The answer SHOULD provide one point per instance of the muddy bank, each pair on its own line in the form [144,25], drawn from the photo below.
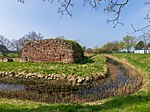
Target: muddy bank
[121,79]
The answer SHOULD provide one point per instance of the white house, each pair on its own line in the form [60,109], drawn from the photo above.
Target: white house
[138,51]
[142,51]
[125,50]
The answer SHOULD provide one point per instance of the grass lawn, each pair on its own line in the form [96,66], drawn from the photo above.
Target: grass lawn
[87,67]
[138,102]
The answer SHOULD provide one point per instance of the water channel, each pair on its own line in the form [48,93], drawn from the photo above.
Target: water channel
[119,81]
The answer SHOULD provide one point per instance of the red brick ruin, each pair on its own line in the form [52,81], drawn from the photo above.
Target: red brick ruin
[52,50]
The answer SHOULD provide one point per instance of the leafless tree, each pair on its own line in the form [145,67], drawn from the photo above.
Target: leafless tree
[3,50]
[4,41]
[146,40]
[17,44]
[31,36]
[4,45]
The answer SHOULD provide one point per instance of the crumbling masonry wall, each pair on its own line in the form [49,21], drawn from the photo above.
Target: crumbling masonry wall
[52,50]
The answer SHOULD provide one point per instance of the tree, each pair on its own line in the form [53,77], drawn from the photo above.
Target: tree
[3,50]
[139,45]
[116,46]
[31,36]
[17,45]
[121,45]
[148,46]
[4,41]
[113,46]
[84,48]
[106,48]
[96,50]
[4,45]
[146,40]
[129,42]
[89,50]
[113,7]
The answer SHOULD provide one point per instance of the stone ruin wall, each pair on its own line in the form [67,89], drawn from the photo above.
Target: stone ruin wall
[51,50]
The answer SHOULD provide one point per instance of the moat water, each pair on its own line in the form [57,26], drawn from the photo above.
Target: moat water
[118,82]
[11,87]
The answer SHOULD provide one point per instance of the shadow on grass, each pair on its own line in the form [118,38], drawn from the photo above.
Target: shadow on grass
[85,60]
[122,102]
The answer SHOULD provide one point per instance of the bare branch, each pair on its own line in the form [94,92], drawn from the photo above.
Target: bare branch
[64,7]
[115,7]
[112,6]
[147,3]
[22,1]
[139,29]
[147,17]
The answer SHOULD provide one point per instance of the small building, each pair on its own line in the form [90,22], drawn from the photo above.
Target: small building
[141,51]
[52,50]
[126,51]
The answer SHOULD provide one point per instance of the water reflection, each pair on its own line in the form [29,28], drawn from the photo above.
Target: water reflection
[11,87]
[120,81]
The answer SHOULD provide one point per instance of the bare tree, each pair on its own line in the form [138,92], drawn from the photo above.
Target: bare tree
[17,44]
[4,45]
[31,36]
[4,41]
[3,50]
[146,40]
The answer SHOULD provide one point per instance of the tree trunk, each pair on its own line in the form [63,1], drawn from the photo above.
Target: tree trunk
[145,50]
[128,50]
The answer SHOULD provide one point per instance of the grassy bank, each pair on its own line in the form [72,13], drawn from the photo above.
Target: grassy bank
[11,55]
[139,61]
[89,66]
[138,102]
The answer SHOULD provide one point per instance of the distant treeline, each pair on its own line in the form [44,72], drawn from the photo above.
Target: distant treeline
[127,44]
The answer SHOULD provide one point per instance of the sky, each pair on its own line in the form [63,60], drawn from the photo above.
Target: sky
[87,26]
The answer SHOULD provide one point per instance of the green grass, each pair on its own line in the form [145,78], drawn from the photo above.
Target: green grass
[131,103]
[11,55]
[138,102]
[140,61]
[87,67]
[1,55]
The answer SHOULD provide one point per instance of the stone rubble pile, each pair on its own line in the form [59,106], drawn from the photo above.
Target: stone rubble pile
[52,50]
[71,79]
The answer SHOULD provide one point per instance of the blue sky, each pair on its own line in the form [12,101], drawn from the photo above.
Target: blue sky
[87,26]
